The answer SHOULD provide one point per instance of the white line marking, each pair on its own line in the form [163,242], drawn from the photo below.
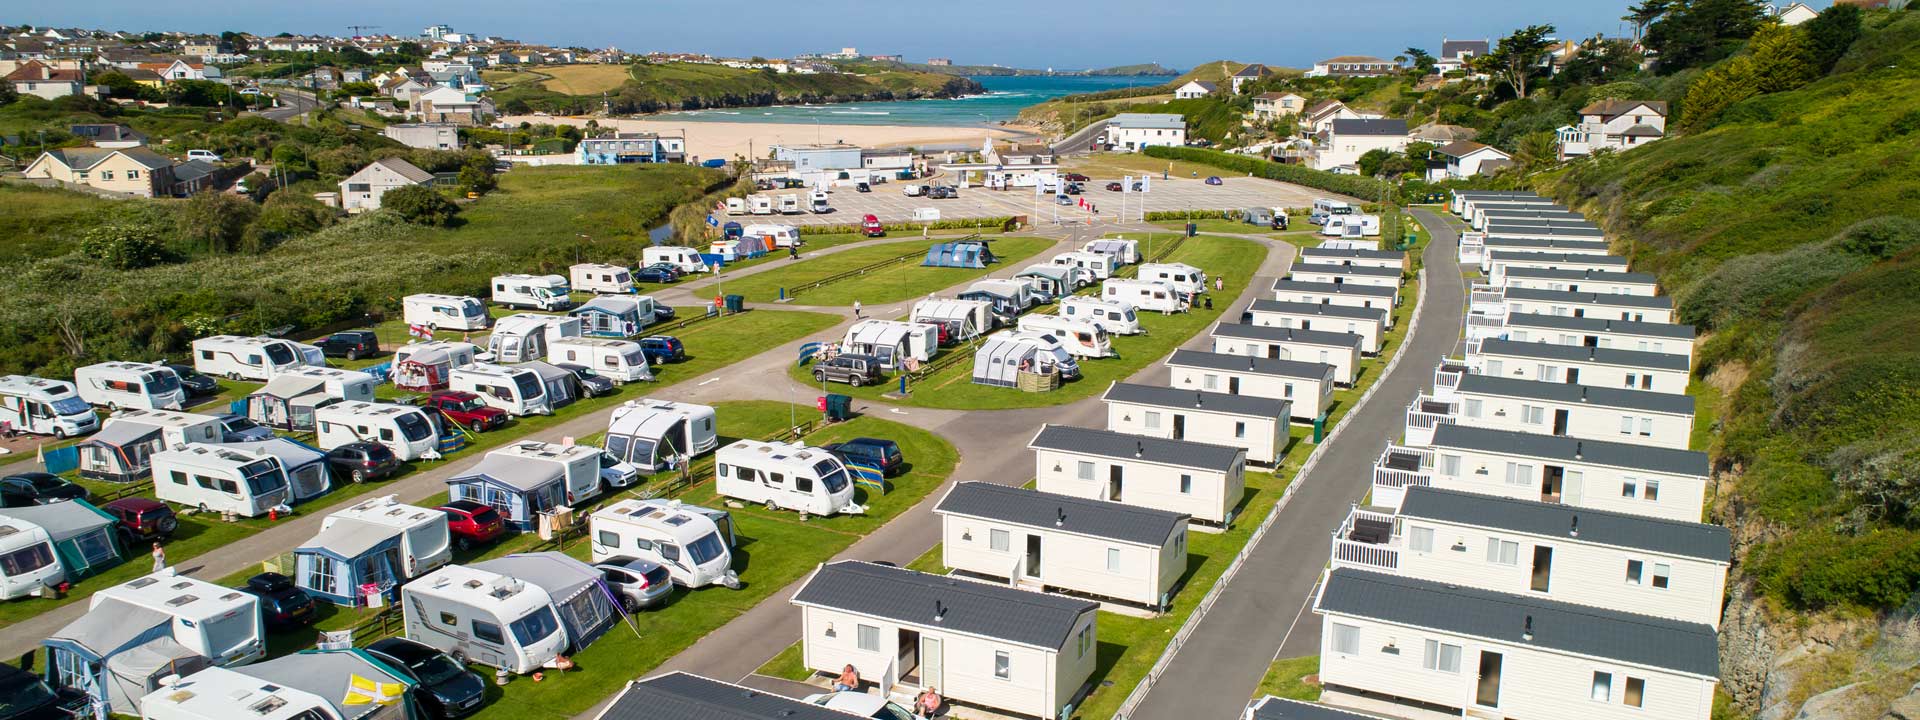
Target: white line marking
[709,381]
[1296,623]
[897,411]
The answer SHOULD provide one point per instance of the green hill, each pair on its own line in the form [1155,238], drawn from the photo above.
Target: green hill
[692,86]
[1142,69]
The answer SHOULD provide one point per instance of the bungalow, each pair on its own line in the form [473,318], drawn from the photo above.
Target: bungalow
[113,136]
[1250,73]
[1088,547]
[620,148]
[1201,480]
[1457,55]
[1500,261]
[1614,125]
[1346,140]
[1352,66]
[427,136]
[1270,105]
[1393,259]
[1464,159]
[453,105]
[1345,274]
[1599,306]
[1354,295]
[1339,349]
[1369,323]
[176,69]
[1138,131]
[1308,385]
[990,645]
[362,190]
[1600,281]
[1576,411]
[1255,424]
[43,81]
[134,171]
[1598,332]
[1194,89]
[683,696]
[1610,367]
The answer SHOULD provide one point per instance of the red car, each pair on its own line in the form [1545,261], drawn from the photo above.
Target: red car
[1076,177]
[871,226]
[467,409]
[142,519]
[472,523]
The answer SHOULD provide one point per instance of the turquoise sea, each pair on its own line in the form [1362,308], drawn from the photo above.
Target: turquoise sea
[1004,98]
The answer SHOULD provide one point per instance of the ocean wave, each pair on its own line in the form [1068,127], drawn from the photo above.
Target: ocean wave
[859,112]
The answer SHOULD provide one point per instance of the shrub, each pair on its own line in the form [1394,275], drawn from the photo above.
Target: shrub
[1823,568]
[420,205]
[287,214]
[1880,238]
[123,245]
[213,222]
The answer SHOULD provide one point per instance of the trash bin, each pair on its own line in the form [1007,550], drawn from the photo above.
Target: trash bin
[839,407]
[736,303]
[1191,229]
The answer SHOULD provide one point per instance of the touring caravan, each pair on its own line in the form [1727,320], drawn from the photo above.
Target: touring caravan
[693,543]
[615,316]
[138,634]
[518,391]
[44,407]
[115,385]
[1050,347]
[335,382]
[1054,281]
[600,278]
[533,292]
[621,361]
[1115,316]
[1324,208]
[1150,295]
[760,205]
[1009,297]
[346,684]
[736,206]
[407,430]
[483,617]
[530,477]
[220,479]
[652,434]
[1102,265]
[1125,252]
[123,449]
[218,623]
[1351,226]
[425,543]
[309,475]
[965,319]
[428,366]
[27,562]
[251,358]
[577,590]
[685,258]
[785,476]
[789,204]
[443,312]
[1183,277]
[524,337]
[817,202]
[775,236]
[891,341]
[1081,338]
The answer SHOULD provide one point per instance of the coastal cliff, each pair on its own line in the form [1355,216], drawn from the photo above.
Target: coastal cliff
[683,86]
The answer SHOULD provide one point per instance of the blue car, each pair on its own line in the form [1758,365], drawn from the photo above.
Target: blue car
[871,452]
[656,274]
[663,349]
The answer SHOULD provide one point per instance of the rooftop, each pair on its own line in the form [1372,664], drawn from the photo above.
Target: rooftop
[963,606]
[1322,309]
[682,696]
[1080,516]
[1631,456]
[1577,353]
[1587,324]
[1636,278]
[1600,527]
[1148,121]
[1334,288]
[1160,451]
[1381,126]
[1570,394]
[1283,334]
[1369,270]
[1662,302]
[1166,397]
[1249,365]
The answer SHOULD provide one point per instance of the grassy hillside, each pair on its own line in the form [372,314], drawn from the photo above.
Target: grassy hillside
[687,86]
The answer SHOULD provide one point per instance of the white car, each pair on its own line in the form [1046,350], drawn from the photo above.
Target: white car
[206,155]
[914,190]
[861,704]
[249,91]
[617,474]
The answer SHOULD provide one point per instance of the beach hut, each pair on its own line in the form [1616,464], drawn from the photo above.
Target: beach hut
[585,607]
[998,361]
[305,465]
[82,535]
[959,254]
[349,562]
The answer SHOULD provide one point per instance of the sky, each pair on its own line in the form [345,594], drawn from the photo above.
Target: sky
[1019,33]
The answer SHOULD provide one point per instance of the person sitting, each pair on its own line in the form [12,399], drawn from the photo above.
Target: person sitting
[849,680]
[928,704]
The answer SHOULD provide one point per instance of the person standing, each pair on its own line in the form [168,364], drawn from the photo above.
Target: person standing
[159,558]
[1220,283]
[856,309]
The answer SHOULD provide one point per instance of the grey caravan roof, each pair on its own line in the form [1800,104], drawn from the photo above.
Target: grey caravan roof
[1121,446]
[1651,302]
[520,473]
[1368,270]
[1682,647]
[1588,324]
[1521,222]
[287,387]
[1495,193]
[1249,365]
[292,454]
[1334,288]
[1525,243]
[683,696]
[350,538]
[547,372]
[1002,613]
[122,434]
[1327,309]
[1107,247]
[1166,397]
[1080,516]
[1279,708]
[326,673]
[1556,257]
[1528,211]
[1285,334]
[561,576]
[1352,253]
[1630,456]
[1577,353]
[112,626]
[1634,532]
[1538,230]
[62,520]
[1531,203]
[1055,272]
[1569,394]
[1636,278]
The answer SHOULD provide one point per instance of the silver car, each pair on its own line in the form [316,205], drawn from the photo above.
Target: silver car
[638,583]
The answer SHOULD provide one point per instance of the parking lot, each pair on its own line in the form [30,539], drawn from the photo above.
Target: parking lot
[891,205]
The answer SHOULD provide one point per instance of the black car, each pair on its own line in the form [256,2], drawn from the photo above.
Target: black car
[196,383]
[24,696]
[38,488]
[663,313]
[284,605]
[871,452]
[350,344]
[363,461]
[655,274]
[592,382]
[451,690]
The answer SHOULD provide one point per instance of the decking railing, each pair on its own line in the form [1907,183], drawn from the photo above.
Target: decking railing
[1355,553]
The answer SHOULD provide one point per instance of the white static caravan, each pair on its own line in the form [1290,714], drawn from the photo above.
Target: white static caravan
[685,258]
[1595,332]
[1368,323]
[44,407]
[428,366]
[28,564]
[1043,540]
[1499,262]
[214,622]
[1081,338]
[518,391]
[654,435]
[693,543]
[1339,349]
[982,644]
[1608,306]
[600,278]
[785,475]
[444,312]
[966,318]
[1255,424]
[1345,275]
[1624,477]
[1600,281]
[715,699]
[1461,202]
[525,337]
[621,361]
[1350,295]
[1126,252]
[533,292]
[1307,385]
[123,449]
[251,358]
[1577,411]
[893,342]
[484,618]
[1203,480]
[774,236]
[217,478]
[1323,255]
[407,430]
[1183,277]
[425,543]
[1604,367]
[142,386]
[315,685]
[1102,265]
[1144,294]
[1114,316]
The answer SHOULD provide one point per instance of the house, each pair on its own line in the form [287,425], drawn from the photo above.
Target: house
[175,69]
[1458,55]
[194,176]
[1270,105]
[1137,131]
[1352,66]
[823,156]
[1042,540]
[1646,336]
[1354,257]
[362,190]
[897,159]
[1795,14]
[1339,349]
[109,135]
[1600,281]
[1501,264]
[1614,125]
[1464,159]
[1323,113]
[1202,480]
[1255,424]
[683,696]
[1600,306]
[1307,385]
[1608,367]
[403,89]
[43,81]
[204,47]
[1343,274]
[1194,89]
[622,147]
[1356,295]
[989,645]
[134,171]
[428,136]
[452,105]
[1345,140]
[1577,411]
[1623,477]
[1441,134]
[1248,74]
[1368,323]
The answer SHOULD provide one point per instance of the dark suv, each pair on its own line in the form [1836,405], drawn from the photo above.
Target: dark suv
[363,461]
[282,604]
[142,519]
[871,452]
[350,344]
[855,370]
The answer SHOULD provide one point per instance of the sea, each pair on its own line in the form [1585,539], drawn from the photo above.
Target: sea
[1003,100]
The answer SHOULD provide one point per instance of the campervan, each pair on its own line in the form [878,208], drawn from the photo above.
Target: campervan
[483,617]
[1101,264]
[621,361]
[516,390]
[685,258]
[892,341]
[220,479]
[533,292]
[1115,316]
[1181,276]
[27,562]
[523,337]
[1048,345]
[251,358]
[693,543]
[115,385]
[338,383]
[736,206]
[789,204]
[425,542]
[1081,338]
[123,449]
[653,434]
[817,202]
[785,475]
[601,278]
[1149,295]
[44,407]
[218,623]
[1324,208]
[405,429]
[760,205]
[444,312]
[965,318]
[775,236]
[427,366]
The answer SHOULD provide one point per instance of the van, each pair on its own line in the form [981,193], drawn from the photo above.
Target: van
[44,407]
[652,435]
[760,205]
[1081,338]
[1324,208]
[405,429]
[736,206]
[775,236]
[1149,295]
[219,479]
[533,292]
[1102,265]
[482,617]
[601,278]
[621,361]
[817,202]
[789,204]
[116,385]
[1183,277]
[694,544]
[251,358]
[518,391]
[685,258]
[788,476]
[444,312]
[28,566]
[1114,316]
[524,337]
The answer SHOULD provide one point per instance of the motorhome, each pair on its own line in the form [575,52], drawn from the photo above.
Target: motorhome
[407,430]
[28,566]
[693,543]
[123,449]
[653,435]
[533,292]
[1115,316]
[1324,208]
[220,479]
[1081,338]
[518,391]
[775,236]
[601,278]
[44,407]
[966,319]
[1102,265]
[1183,277]
[425,543]
[1147,295]
[115,385]
[685,258]
[817,202]
[484,618]
[736,206]
[428,366]
[785,476]
[789,204]
[214,622]
[621,361]
[251,358]
[893,342]
[444,312]
[760,205]
[524,337]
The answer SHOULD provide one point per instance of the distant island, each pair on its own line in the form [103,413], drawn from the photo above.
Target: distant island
[1140,70]
[1136,70]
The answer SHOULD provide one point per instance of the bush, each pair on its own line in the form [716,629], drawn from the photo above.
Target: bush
[214,222]
[1880,238]
[420,205]
[286,215]
[1353,185]
[123,245]
[1821,568]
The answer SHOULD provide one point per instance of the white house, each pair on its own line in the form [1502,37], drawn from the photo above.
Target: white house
[1464,159]
[1600,332]
[1267,106]
[1352,66]
[1255,424]
[1137,131]
[1202,480]
[1608,367]
[1346,140]
[1795,14]
[1576,411]
[1356,295]
[1456,55]
[362,190]
[1345,274]
[1248,74]
[1369,323]
[451,105]
[1042,540]
[1339,349]
[429,136]
[1194,89]
[1599,306]
[1600,281]
[1499,261]
[1308,385]
[1614,125]
[1323,113]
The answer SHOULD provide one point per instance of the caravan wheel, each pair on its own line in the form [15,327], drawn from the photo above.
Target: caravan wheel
[771,506]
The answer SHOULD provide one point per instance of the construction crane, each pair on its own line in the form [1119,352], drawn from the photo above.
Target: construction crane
[357,28]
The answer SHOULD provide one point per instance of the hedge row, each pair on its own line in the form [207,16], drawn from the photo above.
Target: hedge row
[1352,185]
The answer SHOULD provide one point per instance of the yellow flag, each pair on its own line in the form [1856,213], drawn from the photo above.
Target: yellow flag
[361,691]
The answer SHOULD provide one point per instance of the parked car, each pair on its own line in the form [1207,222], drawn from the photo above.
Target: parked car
[1213,180]
[861,704]
[914,190]
[37,488]
[283,605]
[862,187]
[663,349]
[1062,200]
[1074,188]
[452,691]
[25,696]
[197,384]
[467,409]
[235,428]
[852,369]
[350,344]
[207,155]
[590,382]
[638,583]
[472,523]
[663,313]
[655,274]
[1113,187]
[872,452]
[142,520]
[363,461]
[1075,177]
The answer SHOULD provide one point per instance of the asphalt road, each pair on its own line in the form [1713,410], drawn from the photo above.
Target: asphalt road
[293,103]
[1080,141]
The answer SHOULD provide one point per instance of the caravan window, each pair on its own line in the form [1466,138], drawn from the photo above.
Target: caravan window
[831,474]
[608,538]
[536,626]
[278,353]
[490,633]
[26,560]
[230,632]
[528,385]
[412,426]
[706,548]
[803,484]
[94,547]
[179,478]
[262,477]
[320,572]
[670,552]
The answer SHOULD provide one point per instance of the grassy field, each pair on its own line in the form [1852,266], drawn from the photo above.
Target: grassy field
[649,87]
[1287,679]
[897,282]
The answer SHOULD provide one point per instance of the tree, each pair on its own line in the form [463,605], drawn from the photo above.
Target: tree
[213,222]
[1644,13]
[1536,149]
[1695,33]
[8,94]
[1599,62]
[1831,34]
[1517,56]
[420,205]
[120,86]
[1371,162]
[287,214]
[1422,60]
[1778,59]
[236,41]
[476,180]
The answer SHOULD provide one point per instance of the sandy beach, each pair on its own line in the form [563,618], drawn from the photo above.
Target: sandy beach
[724,139]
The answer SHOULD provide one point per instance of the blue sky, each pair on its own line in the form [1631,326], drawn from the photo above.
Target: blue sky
[1022,33]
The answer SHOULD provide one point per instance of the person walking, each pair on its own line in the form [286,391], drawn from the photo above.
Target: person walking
[159,558]
[1220,283]
[856,309]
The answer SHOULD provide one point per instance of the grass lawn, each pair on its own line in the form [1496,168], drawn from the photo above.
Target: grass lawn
[788,665]
[897,282]
[1287,679]
[1707,402]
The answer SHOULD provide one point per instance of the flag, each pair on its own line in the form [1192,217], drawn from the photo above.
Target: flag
[1126,184]
[712,221]
[1146,183]
[361,691]
[419,331]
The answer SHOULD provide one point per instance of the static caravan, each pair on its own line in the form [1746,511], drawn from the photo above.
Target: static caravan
[129,640]
[528,478]
[792,476]
[1044,540]
[308,473]
[525,337]
[444,312]
[122,451]
[1114,316]
[694,544]
[550,293]
[685,258]
[600,278]
[1255,424]
[965,319]
[1339,349]
[1183,277]
[1501,262]
[774,236]
[310,685]
[1607,306]
[516,390]
[1369,323]
[1350,295]
[1102,265]
[982,644]
[1537,245]
[484,618]
[85,539]
[252,358]
[220,479]
[1345,275]
[654,435]
[1009,297]
[407,430]
[1459,202]
[143,386]
[1504,227]
[214,622]
[1308,385]
[1144,294]
[716,699]
[1604,367]
[621,361]
[1126,252]
[615,316]
[28,564]
[1203,480]
[1390,259]
[1649,336]
[893,342]
[584,607]
[1055,281]
[428,366]
[1622,477]
[44,407]
[1497,213]
[1578,411]
[1081,338]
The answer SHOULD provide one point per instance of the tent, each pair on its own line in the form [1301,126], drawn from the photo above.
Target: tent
[116,654]
[562,386]
[120,452]
[518,487]
[585,606]
[331,674]
[1056,280]
[340,563]
[83,535]
[959,254]
[998,360]
[305,465]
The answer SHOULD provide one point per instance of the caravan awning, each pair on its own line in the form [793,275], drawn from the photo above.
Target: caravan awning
[514,473]
[109,627]
[328,674]
[62,520]
[287,387]
[123,434]
[350,538]
[1051,272]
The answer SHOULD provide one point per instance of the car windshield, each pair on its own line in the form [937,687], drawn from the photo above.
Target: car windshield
[20,692]
[240,424]
[414,426]
[536,626]
[891,711]
[436,669]
[706,548]
[46,482]
[71,406]
[162,382]
[278,354]
[472,403]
